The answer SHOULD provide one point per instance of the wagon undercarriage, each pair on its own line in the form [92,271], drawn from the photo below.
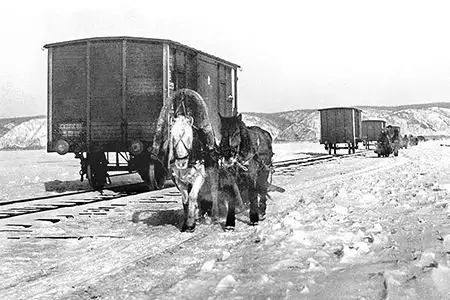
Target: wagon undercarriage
[96,165]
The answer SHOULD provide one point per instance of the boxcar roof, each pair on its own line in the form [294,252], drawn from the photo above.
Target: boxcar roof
[331,108]
[139,39]
[374,121]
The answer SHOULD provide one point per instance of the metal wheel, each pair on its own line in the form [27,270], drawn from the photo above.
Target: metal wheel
[96,177]
[96,170]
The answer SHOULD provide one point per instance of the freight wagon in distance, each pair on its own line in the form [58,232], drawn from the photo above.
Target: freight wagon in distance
[371,130]
[105,96]
[340,128]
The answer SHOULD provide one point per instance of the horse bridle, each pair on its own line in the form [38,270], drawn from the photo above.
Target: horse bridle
[235,152]
[188,150]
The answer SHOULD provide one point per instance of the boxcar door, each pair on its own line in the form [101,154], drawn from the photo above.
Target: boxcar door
[207,81]
[225,103]
[105,73]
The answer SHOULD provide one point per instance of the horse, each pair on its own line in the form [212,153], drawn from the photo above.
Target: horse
[405,141]
[384,144]
[187,167]
[198,177]
[247,153]
[395,140]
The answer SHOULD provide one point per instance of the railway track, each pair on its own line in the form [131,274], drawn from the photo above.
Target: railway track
[27,206]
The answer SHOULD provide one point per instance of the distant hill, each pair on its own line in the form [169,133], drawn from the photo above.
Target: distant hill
[431,119]
[23,133]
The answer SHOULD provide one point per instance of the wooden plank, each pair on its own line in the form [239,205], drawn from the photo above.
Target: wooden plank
[124,93]
[235,92]
[88,96]
[166,74]
[50,101]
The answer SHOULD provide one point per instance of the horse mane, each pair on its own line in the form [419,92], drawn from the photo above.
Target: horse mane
[245,137]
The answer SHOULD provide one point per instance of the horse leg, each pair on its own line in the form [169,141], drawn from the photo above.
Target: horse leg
[231,213]
[253,197]
[185,198]
[238,199]
[262,186]
[213,175]
[192,202]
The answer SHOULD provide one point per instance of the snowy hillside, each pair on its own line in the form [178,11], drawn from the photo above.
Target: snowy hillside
[29,134]
[298,125]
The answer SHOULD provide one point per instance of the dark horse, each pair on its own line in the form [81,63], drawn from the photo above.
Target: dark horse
[247,152]
[384,144]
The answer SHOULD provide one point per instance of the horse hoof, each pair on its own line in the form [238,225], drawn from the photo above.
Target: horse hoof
[253,223]
[229,228]
[208,221]
[188,229]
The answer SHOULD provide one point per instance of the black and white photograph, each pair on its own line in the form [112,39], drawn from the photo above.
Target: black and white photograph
[213,150]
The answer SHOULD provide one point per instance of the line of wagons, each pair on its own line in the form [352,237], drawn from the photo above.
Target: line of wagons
[343,128]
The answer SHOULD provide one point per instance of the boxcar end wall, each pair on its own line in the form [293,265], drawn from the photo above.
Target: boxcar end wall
[105,92]
[340,125]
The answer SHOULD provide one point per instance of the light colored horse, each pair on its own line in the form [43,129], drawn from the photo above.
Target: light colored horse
[188,170]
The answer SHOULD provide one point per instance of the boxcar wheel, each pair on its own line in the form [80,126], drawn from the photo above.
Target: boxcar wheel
[96,177]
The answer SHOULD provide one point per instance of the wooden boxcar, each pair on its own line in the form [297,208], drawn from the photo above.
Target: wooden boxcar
[340,125]
[105,96]
[371,130]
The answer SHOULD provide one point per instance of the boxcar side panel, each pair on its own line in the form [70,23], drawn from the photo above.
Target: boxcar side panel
[207,81]
[144,85]
[229,90]
[68,93]
[106,91]
[191,71]
[224,86]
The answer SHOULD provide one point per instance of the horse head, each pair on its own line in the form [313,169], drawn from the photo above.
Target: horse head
[234,138]
[181,140]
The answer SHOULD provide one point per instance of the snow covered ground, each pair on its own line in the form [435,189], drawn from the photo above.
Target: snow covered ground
[354,228]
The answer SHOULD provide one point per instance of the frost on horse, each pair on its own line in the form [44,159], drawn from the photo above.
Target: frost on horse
[248,153]
[186,143]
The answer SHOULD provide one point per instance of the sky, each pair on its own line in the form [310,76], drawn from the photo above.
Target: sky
[294,54]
